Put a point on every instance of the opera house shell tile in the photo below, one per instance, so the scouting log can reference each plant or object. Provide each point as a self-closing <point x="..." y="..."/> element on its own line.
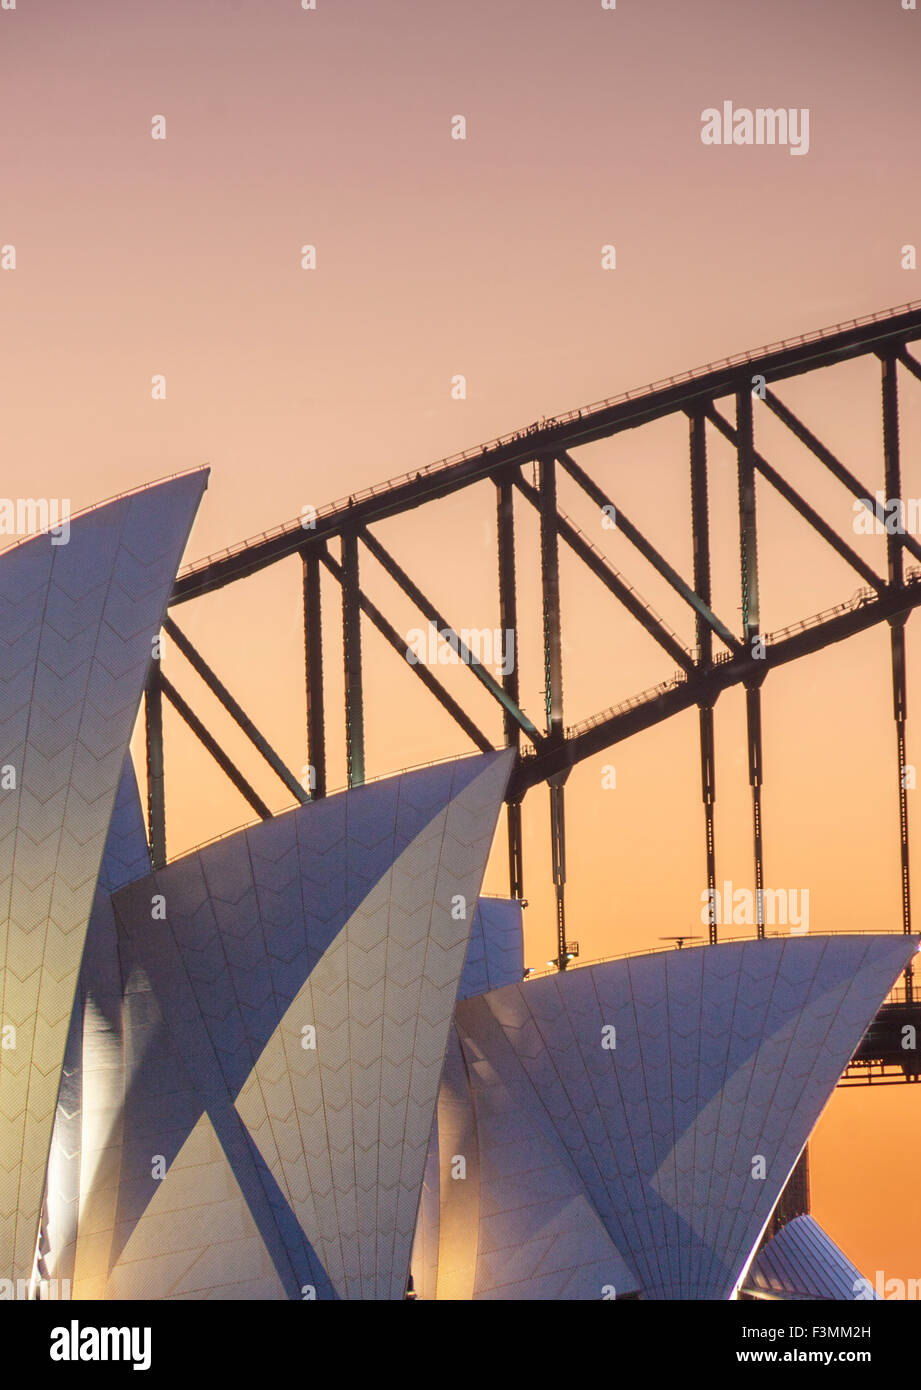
<point x="77" y="623"/>
<point x="287" y="996"/>
<point x="628" y="1127"/>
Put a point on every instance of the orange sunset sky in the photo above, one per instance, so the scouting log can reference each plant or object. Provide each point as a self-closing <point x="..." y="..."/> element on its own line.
<point x="437" y="257"/>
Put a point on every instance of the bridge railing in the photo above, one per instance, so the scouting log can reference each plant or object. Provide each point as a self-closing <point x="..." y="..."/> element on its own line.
<point x="653" y="692"/>
<point x="549" y="423"/>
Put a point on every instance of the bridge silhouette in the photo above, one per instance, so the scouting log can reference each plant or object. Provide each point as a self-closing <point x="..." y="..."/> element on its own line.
<point x="724" y="397"/>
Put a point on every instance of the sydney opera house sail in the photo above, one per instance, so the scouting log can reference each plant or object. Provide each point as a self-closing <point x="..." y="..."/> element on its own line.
<point x="286" y="996"/>
<point x="306" y="1061"/>
<point x="631" y="1125"/>
<point x="306" y="971"/>
<point x="77" y="627"/>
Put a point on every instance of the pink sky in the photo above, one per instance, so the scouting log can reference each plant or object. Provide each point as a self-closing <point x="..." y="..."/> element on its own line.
<point x="438" y="257"/>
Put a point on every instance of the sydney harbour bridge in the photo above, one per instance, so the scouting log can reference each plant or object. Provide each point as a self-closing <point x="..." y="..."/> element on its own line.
<point x="723" y="397"/>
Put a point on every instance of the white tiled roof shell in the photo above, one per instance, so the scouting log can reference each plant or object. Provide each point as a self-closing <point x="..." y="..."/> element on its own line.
<point x="77" y="621"/>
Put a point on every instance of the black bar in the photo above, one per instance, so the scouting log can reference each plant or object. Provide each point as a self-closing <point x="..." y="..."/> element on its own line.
<point x="708" y="791"/>
<point x="751" y="619"/>
<point x="550" y="593"/>
<point x="508" y="600"/>
<point x="313" y="672"/>
<point x="892" y="464"/>
<point x="700" y="528"/>
<point x="515" y="857"/>
<point x="553" y="684"/>
<point x="351" y="652"/>
<point x="894" y="558"/>
<point x="508" y="622"/>
<point x="900" y="704"/>
<point x="748" y="535"/>
<point x="156" y="788"/>
<point x="558" y="854"/>
<point x="794" y="1200"/>
<point x="756" y="778"/>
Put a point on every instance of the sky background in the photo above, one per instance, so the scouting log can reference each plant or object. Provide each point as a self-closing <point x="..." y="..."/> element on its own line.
<point x="437" y="257"/>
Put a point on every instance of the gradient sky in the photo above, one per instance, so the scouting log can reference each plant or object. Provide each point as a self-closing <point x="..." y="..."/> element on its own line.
<point x="483" y="257"/>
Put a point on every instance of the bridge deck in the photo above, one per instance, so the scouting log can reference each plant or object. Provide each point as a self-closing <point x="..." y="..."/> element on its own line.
<point x="776" y="362"/>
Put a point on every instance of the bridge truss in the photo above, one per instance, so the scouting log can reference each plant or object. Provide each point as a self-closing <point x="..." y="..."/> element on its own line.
<point x="724" y="398"/>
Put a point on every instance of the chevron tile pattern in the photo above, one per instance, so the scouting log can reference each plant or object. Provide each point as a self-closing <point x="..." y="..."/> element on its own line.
<point x="196" y="1237"/>
<point x="684" y="1133"/>
<point x="76" y="626"/>
<point x="521" y="1225"/>
<point x="350" y="917"/>
<point x="495" y="956"/>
